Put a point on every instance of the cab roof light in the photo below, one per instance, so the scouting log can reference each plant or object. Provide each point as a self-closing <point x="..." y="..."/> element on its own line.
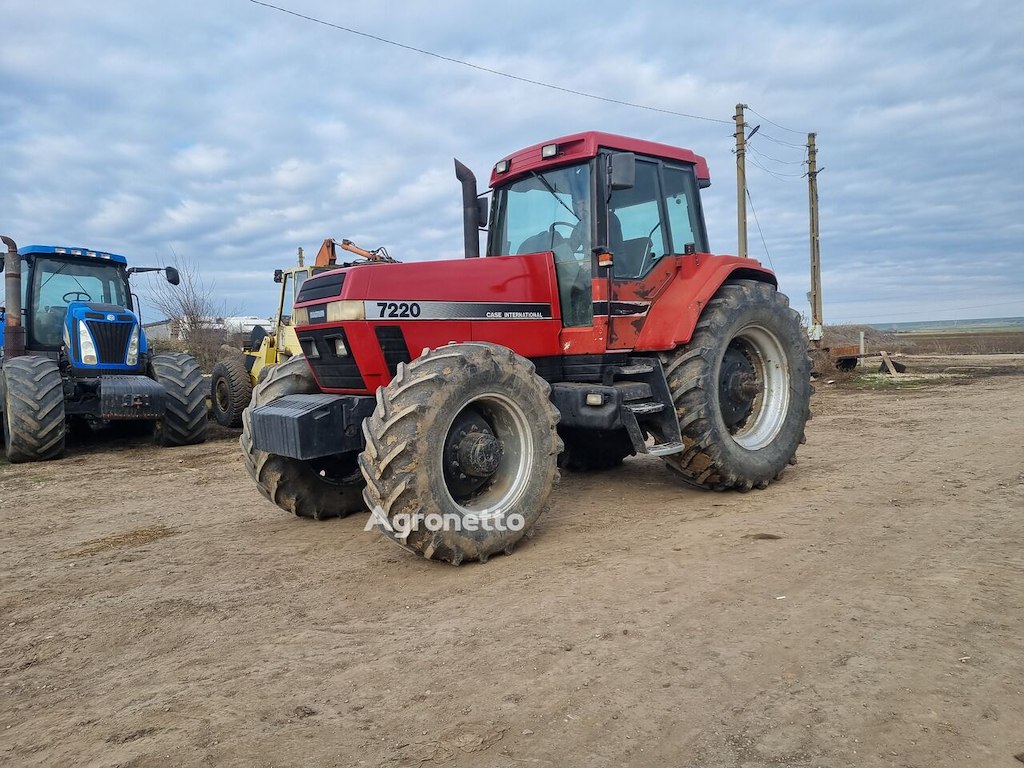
<point x="501" y="166"/>
<point x="548" y="151"/>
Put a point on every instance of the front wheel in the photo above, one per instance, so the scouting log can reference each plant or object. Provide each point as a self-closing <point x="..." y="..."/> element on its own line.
<point x="321" y="488"/>
<point x="742" y="389"/>
<point x="460" y="452"/>
<point x="34" y="426"/>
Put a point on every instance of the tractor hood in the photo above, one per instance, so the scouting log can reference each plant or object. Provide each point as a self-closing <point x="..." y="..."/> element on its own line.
<point x="496" y="288"/>
<point x="103" y="338"/>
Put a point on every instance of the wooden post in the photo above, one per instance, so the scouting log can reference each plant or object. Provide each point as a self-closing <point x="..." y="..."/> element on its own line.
<point x="817" y="321"/>
<point x="741" y="183"/>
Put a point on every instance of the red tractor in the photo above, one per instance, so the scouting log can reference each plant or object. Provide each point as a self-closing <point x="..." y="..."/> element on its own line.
<point x="443" y="396"/>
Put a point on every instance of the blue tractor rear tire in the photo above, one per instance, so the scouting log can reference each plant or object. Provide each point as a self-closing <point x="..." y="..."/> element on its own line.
<point x="185" y="419"/>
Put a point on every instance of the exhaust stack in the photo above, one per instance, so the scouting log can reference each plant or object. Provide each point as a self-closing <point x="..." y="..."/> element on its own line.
<point x="14" y="332"/>
<point x="470" y="211"/>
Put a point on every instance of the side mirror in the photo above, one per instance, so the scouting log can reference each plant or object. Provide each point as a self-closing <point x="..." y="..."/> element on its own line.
<point x="278" y="275"/>
<point x="172" y="276"/>
<point x="622" y="170"/>
<point x="481" y="212"/>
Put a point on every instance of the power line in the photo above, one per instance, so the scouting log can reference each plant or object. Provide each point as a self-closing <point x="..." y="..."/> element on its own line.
<point x="453" y="60"/>
<point x="780" y="141"/>
<point x="772" y="123"/>
<point x="756" y="151"/>
<point x="776" y="174"/>
<point x="758" y="223"/>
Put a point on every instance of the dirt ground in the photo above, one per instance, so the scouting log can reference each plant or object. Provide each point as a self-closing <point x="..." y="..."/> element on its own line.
<point x="867" y="610"/>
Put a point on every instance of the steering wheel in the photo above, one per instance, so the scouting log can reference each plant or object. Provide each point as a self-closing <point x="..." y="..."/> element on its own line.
<point x="76" y="294"/>
<point x="650" y="248"/>
<point x="575" y="238"/>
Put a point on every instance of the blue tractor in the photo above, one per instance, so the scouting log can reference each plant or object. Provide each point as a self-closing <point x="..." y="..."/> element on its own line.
<point x="73" y="349"/>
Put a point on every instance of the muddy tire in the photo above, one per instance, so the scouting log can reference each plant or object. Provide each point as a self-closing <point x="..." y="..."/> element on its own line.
<point x="319" y="489"/>
<point x="741" y="388"/>
<point x="464" y="435"/>
<point x="33" y="410"/>
<point x="593" y="450"/>
<point x="185" y="418"/>
<point x="230" y="391"/>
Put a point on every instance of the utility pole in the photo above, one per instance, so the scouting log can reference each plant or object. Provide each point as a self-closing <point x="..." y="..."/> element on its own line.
<point x="741" y="182"/>
<point x="815" y="329"/>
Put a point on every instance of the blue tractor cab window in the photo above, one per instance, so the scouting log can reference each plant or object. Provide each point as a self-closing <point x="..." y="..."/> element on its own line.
<point x="57" y="282"/>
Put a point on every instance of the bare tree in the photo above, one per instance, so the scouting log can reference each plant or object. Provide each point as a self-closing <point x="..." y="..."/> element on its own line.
<point x="196" y="317"/>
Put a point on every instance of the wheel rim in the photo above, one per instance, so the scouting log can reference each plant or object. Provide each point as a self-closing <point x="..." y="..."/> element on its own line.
<point x="222" y="394"/>
<point x="512" y="457"/>
<point x="754" y="387"/>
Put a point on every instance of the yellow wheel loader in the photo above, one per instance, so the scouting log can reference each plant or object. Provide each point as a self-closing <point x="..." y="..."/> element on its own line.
<point x="235" y="375"/>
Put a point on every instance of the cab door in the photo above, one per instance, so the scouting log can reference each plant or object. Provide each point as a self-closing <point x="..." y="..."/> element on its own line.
<point x="649" y="225"/>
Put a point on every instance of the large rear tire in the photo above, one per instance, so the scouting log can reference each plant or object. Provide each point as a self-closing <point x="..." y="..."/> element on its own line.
<point x="741" y="388"/>
<point x="319" y="489"/>
<point x="185" y="418"/>
<point x="230" y="391"/>
<point x="461" y="452"/>
<point x="33" y="415"/>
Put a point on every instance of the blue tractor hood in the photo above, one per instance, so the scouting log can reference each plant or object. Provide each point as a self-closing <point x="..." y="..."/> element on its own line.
<point x="104" y="338"/>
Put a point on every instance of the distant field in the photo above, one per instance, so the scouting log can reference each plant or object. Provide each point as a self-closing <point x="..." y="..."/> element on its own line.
<point x="962" y="342"/>
<point x="970" y="340"/>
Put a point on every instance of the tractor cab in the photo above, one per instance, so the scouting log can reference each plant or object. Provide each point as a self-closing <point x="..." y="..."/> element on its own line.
<point x="80" y="301"/>
<point x="598" y="201"/>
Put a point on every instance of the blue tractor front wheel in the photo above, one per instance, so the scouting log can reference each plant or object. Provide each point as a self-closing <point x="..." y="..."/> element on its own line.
<point x="33" y="409"/>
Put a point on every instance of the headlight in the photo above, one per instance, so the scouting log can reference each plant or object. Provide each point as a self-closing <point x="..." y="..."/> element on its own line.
<point x="345" y="310"/>
<point x="86" y="344"/>
<point x="133" y="348"/>
<point x="332" y="312"/>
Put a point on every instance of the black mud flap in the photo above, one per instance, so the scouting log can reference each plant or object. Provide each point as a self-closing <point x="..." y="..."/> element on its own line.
<point x="131" y="397"/>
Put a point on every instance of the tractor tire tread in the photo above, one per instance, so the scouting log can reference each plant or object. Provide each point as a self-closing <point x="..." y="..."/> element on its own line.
<point x="704" y="462"/>
<point x="233" y="372"/>
<point x="397" y="458"/>
<point x="34" y="427"/>
<point x="291" y="484"/>
<point x="185" y="418"/>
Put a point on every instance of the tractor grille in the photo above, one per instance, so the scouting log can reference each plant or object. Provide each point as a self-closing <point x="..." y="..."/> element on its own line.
<point x="332" y="371"/>
<point x="111" y="340"/>
<point x="392" y="344"/>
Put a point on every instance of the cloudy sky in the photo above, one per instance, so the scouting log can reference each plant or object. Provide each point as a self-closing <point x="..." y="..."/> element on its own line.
<point x="230" y="133"/>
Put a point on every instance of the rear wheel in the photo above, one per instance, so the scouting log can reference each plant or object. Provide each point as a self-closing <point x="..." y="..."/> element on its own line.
<point x="185" y="418"/>
<point x="33" y="414"/>
<point x="461" y="452"/>
<point x="741" y="388"/>
<point x="230" y="391"/>
<point x="320" y="489"/>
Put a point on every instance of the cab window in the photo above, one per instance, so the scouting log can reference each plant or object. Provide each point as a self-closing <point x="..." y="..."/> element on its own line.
<point x="683" y="212"/>
<point x="636" y="234"/>
<point x="300" y="278"/>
